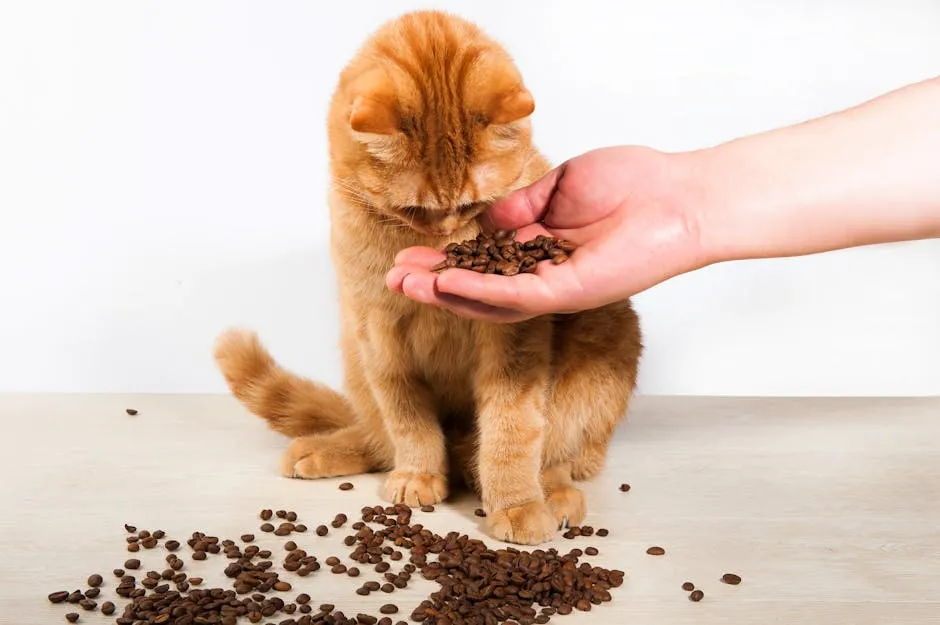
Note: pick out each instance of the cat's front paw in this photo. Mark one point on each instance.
(567, 506)
(415, 489)
(529, 524)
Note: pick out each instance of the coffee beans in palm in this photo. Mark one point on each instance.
(501, 254)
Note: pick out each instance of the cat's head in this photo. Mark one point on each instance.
(429, 123)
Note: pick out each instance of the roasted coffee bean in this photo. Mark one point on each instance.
(131, 411)
(327, 607)
(387, 588)
(291, 516)
(149, 543)
(300, 527)
(264, 554)
(95, 580)
(133, 547)
(107, 608)
(91, 593)
(624, 488)
(59, 597)
(381, 567)
(303, 598)
(731, 578)
(322, 530)
(353, 572)
(118, 572)
(338, 569)
(130, 529)
(346, 486)
(427, 508)
(480, 512)
(697, 595)
(266, 515)
(282, 586)
(602, 532)
(688, 586)
(591, 551)
(199, 555)
(267, 527)
(389, 608)
(281, 514)
(88, 604)
(75, 596)
(371, 586)
(195, 581)
(290, 545)
(365, 619)
(349, 541)
(339, 521)
(132, 564)
(158, 534)
(72, 617)
(656, 551)
(362, 591)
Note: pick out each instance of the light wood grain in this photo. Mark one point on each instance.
(828, 508)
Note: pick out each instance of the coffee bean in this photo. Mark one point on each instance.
(59, 597)
(195, 581)
(389, 608)
(91, 593)
(303, 598)
(291, 516)
(171, 545)
(387, 588)
(602, 532)
(281, 514)
(656, 551)
(365, 619)
(322, 530)
(118, 572)
(696, 596)
(199, 555)
(688, 586)
(339, 569)
(327, 607)
(381, 567)
(133, 547)
(72, 617)
(300, 527)
(88, 604)
(132, 564)
(624, 488)
(371, 586)
(731, 578)
(591, 551)
(427, 508)
(264, 554)
(267, 527)
(282, 586)
(290, 546)
(346, 486)
(131, 411)
(158, 534)
(107, 608)
(362, 591)
(339, 521)
(266, 515)
(353, 572)
(480, 512)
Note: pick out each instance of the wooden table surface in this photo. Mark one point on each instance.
(829, 509)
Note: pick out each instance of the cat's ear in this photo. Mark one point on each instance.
(374, 108)
(374, 115)
(511, 106)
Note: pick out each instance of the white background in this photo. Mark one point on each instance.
(163, 171)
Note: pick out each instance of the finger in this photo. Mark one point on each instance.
(527, 293)
(527, 205)
(421, 288)
(419, 255)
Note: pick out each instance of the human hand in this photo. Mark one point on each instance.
(628, 209)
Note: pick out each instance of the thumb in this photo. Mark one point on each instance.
(527, 205)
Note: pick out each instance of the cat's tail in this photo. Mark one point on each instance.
(291, 405)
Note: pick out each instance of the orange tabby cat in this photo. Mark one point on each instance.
(429, 123)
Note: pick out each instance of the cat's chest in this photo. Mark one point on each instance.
(441, 345)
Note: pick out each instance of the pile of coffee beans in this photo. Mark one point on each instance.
(478, 585)
(501, 254)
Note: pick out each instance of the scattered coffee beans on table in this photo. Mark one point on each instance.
(501, 254)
